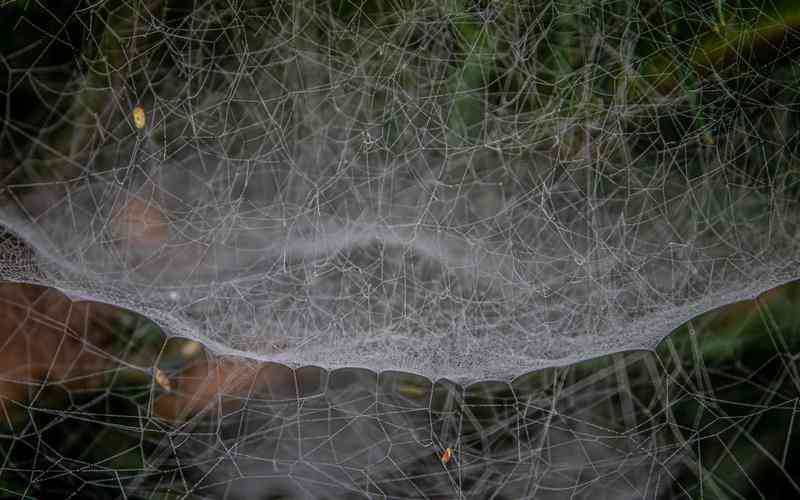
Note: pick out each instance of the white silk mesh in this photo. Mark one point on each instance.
(451, 190)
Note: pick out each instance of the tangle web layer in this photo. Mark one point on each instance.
(396, 249)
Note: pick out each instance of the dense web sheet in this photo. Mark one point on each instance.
(129, 414)
(451, 189)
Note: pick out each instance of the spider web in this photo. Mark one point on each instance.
(395, 192)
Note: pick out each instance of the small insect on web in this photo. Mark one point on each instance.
(447, 455)
(139, 117)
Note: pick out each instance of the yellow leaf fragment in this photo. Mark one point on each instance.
(413, 391)
(139, 117)
(447, 455)
(162, 380)
(190, 348)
